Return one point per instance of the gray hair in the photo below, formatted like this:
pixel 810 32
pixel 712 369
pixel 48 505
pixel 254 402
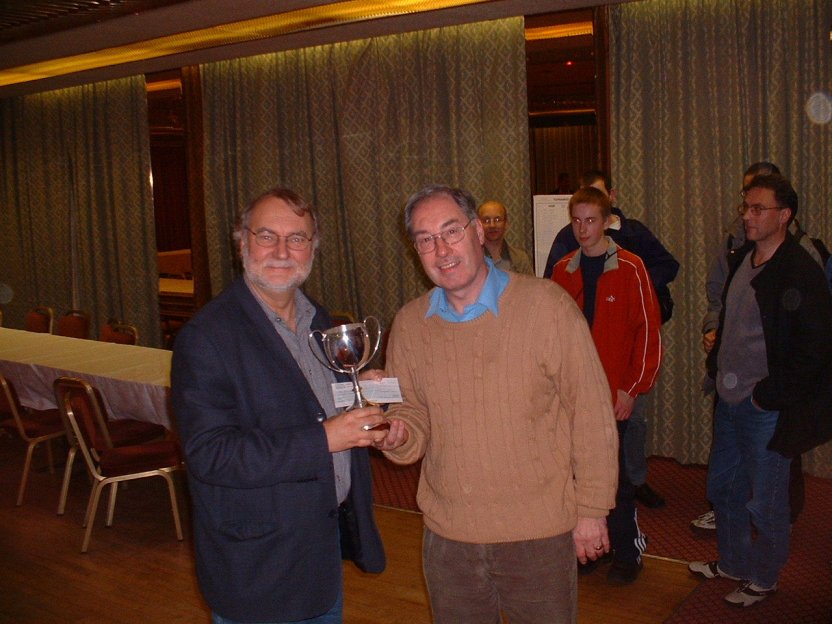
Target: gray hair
pixel 298 205
pixel 460 197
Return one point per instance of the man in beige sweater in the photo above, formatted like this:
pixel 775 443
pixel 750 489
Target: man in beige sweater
pixel 507 402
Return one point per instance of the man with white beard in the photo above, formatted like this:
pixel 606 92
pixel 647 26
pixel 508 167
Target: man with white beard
pixel 279 478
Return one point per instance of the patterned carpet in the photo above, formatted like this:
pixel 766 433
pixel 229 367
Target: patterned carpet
pixel 805 595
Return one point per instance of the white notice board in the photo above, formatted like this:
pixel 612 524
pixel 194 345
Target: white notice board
pixel 551 213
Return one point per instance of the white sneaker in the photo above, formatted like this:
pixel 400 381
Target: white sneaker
pixel 705 522
pixel 748 594
pixel 710 570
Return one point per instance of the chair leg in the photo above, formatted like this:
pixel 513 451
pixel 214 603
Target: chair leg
pixel 49 457
pixel 70 459
pixel 174 505
pixel 92 508
pixel 27 463
pixel 111 506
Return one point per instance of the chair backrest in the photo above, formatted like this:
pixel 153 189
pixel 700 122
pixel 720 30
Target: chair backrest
pixel 74 324
pixel 39 319
pixel 10 405
pixel 121 333
pixel 77 432
pixel 78 399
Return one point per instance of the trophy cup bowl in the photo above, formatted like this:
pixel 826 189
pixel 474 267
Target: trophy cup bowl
pixel 347 349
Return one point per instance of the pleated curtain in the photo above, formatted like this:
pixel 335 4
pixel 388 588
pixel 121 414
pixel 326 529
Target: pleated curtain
pixel 356 128
pixel 78 229
pixel 700 90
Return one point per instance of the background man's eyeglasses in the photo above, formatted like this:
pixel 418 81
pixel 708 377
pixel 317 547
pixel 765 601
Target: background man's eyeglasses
pixel 756 209
pixel 494 220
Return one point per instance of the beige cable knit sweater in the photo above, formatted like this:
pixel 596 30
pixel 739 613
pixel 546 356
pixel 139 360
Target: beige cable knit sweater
pixel 512 414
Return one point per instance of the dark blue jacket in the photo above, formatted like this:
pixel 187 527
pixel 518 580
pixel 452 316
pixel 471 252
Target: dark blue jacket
pixel 796 312
pixel 636 238
pixel 265 513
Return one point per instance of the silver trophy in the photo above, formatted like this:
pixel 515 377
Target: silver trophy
pixel 348 348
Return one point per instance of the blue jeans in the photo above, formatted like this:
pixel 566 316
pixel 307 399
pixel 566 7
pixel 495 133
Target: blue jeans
pixel 333 616
pixel 749 485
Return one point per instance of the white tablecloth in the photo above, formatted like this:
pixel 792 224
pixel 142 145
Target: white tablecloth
pixel 135 381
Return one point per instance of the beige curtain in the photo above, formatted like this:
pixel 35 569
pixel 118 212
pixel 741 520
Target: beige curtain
pixel 356 128
pixel 77 206
pixel 700 90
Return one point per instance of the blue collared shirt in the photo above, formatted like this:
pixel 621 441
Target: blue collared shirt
pixel 495 283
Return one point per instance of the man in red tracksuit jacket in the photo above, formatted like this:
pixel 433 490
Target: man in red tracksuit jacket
pixel 614 291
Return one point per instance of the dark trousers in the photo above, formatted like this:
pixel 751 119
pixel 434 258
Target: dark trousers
pixel 530 582
pixel 797 489
pixel 626 539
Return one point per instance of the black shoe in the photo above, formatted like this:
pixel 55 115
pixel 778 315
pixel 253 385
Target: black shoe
pixel 647 497
pixel 623 573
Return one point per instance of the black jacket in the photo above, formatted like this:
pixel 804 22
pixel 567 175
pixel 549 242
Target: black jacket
pixel 265 513
pixel 796 312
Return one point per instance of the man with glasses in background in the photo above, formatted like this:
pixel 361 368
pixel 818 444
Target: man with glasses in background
pixel 507 403
pixel 772 362
pixel 279 480
pixel 494 219
pixel 714 285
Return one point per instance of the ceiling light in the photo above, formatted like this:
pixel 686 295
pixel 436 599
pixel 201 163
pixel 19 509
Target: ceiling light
pixel 320 16
pixel 559 31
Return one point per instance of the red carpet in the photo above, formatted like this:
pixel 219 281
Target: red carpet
pixel 805 595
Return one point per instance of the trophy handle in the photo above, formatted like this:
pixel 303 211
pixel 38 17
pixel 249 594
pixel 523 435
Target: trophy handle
pixel 315 346
pixel 377 341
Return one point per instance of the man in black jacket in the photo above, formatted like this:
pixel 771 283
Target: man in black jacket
pixel 773 347
pixel 279 479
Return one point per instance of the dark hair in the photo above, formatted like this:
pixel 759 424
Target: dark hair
pixel 762 168
pixel 460 197
pixel 298 205
pixel 588 178
pixel 784 193
pixel 591 195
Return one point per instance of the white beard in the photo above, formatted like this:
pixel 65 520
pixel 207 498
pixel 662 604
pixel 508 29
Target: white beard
pixel 255 272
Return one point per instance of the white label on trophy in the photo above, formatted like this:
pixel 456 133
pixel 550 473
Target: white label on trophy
pixel 384 391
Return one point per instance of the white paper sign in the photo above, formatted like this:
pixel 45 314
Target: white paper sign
pixel 384 391
pixel 551 213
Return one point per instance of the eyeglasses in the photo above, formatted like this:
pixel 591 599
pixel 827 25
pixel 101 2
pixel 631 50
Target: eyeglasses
pixel 451 236
pixel 494 220
pixel 756 209
pixel 268 239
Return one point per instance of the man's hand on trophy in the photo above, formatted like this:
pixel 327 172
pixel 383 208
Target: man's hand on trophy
pixel 356 427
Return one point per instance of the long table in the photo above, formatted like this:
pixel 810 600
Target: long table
pixel 135 381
